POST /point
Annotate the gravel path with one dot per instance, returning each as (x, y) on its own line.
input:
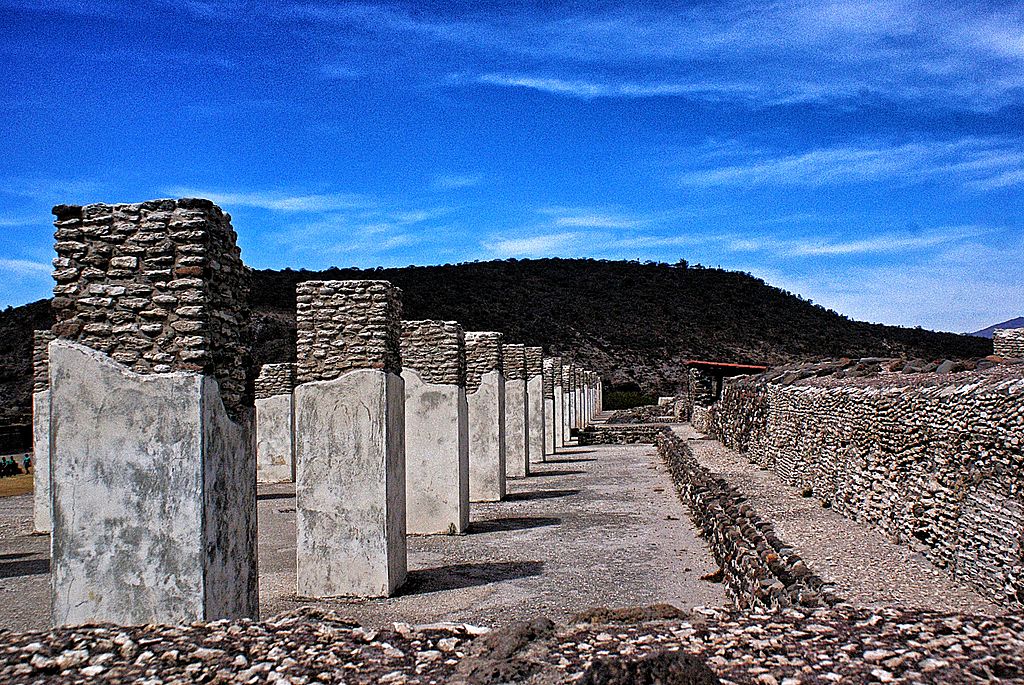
(865, 566)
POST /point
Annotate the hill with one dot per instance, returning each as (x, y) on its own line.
(633, 322)
(1012, 323)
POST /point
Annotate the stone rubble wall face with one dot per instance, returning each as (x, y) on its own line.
(548, 381)
(347, 325)
(513, 362)
(275, 379)
(534, 362)
(760, 570)
(483, 355)
(436, 350)
(937, 466)
(41, 360)
(158, 286)
(1009, 342)
(621, 434)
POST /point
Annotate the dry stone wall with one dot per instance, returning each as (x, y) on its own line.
(158, 286)
(483, 355)
(41, 360)
(513, 361)
(1009, 342)
(534, 362)
(932, 460)
(548, 386)
(346, 325)
(275, 379)
(436, 350)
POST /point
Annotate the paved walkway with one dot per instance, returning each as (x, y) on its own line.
(598, 527)
(866, 567)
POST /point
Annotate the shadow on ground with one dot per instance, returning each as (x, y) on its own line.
(539, 494)
(23, 567)
(458, 576)
(512, 523)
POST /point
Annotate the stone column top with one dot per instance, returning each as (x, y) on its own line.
(556, 370)
(275, 379)
(534, 361)
(41, 360)
(513, 361)
(568, 376)
(483, 355)
(436, 350)
(347, 325)
(548, 379)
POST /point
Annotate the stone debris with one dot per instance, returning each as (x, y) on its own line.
(794, 646)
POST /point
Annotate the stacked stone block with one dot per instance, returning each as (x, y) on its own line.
(152, 467)
(935, 462)
(436, 427)
(350, 440)
(485, 391)
(275, 423)
(41, 340)
(559, 431)
(1009, 342)
(517, 407)
(158, 286)
(535, 400)
(548, 390)
(568, 405)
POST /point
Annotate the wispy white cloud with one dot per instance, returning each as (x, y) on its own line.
(25, 267)
(534, 246)
(610, 89)
(971, 162)
(456, 181)
(277, 200)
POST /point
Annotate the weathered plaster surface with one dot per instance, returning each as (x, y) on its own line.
(41, 461)
(153, 496)
(437, 456)
(275, 439)
(560, 418)
(535, 416)
(487, 438)
(350, 485)
(517, 434)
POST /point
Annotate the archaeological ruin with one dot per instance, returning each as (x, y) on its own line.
(845, 520)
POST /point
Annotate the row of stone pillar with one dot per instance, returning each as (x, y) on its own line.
(146, 459)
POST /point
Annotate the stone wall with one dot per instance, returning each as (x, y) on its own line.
(483, 354)
(436, 350)
(513, 362)
(346, 325)
(759, 569)
(275, 379)
(1009, 342)
(41, 360)
(158, 286)
(932, 460)
(534, 362)
(620, 434)
(549, 379)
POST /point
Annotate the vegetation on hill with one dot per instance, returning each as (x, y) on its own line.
(634, 322)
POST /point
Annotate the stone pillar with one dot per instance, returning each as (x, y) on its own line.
(535, 400)
(41, 522)
(559, 402)
(485, 392)
(517, 418)
(275, 424)
(567, 409)
(436, 427)
(581, 416)
(600, 394)
(549, 406)
(349, 440)
(152, 463)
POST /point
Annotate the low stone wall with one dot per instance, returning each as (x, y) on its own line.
(932, 460)
(275, 379)
(759, 569)
(1009, 342)
(620, 434)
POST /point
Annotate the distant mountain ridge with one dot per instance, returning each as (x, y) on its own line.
(987, 332)
(636, 323)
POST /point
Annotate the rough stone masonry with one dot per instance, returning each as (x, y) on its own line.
(1009, 342)
(436, 427)
(151, 466)
(485, 393)
(934, 460)
(535, 401)
(41, 340)
(350, 496)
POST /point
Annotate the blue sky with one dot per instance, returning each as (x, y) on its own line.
(868, 155)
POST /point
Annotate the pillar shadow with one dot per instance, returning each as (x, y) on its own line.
(275, 495)
(539, 494)
(512, 523)
(456, 576)
(567, 461)
(25, 567)
(555, 472)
